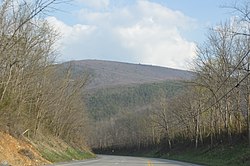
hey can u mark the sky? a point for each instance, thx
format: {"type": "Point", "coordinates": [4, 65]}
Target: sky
{"type": "Point", "coordinates": [154, 32]}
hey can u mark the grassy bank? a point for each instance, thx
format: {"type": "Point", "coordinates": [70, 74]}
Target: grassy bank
{"type": "Point", "coordinates": [219, 156]}
{"type": "Point", "coordinates": [222, 155]}
{"type": "Point", "coordinates": [67, 155]}
{"type": "Point", "coordinates": [56, 150]}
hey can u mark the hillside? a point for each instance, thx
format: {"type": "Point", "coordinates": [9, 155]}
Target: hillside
{"type": "Point", "coordinates": [105, 74]}
{"type": "Point", "coordinates": [115, 87]}
{"type": "Point", "coordinates": [124, 95]}
{"type": "Point", "coordinates": [18, 152]}
{"type": "Point", "coordinates": [108, 102]}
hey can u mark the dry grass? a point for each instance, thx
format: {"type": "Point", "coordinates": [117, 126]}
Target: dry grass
{"type": "Point", "coordinates": [56, 150]}
{"type": "Point", "coordinates": [18, 152]}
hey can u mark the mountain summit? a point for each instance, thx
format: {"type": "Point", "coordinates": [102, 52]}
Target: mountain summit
{"type": "Point", "coordinates": [110, 74]}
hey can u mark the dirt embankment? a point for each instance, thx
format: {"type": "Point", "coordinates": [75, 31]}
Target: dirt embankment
{"type": "Point", "coordinates": [18, 153]}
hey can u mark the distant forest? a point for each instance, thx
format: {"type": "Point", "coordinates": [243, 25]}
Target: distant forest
{"type": "Point", "coordinates": [105, 103]}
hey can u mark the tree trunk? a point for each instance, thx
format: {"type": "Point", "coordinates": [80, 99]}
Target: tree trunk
{"type": "Point", "coordinates": [248, 119]}
{"type": "Point", "coordinates": [197, 130]}
{"type": "Point", "coordinates": [211, 129]}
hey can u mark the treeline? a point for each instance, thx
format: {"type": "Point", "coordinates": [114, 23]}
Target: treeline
{"type": "Point", "coordinates": [120, 115]}
{"type": "Point", "coordinates": [215, 109]}
{"type": "Point", "coordinates": [36, 96]}
{"type": "Point", "coordinates": [212, 109]}
{"type": "Point", "coordinates": [104, 103]}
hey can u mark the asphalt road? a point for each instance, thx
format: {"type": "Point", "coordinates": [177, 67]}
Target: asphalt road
{"type": "Point", "coordinates": [105, 160]}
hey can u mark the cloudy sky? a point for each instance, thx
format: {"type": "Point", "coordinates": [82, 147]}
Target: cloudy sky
{"type": "Point", "coordinates": [155, 32]}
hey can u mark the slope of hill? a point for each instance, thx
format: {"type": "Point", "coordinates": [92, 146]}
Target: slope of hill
{"type": "Point", "coordinates": [110, 74]}
{"type": "Point", "coordinates": [107, 102]}
{"type": "Point", "coordinates": [115, 86]}
{"type": "Point", "coordinates": [123, 95]}
{"type": "Point", "coordinates": [18, 152]}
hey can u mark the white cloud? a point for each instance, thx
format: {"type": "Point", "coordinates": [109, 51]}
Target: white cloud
{"type": "Point", "coordinates": [158, 46]}
{"type": "Point", "coordinates": [72, 37]}
{"type": "Point", "coordinates": [97, 4]}
{"type": "Point", "coordinates": [144, 32]}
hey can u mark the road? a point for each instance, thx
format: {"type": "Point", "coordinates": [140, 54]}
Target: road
{"type": "Point", "coordinates": [105, 160]}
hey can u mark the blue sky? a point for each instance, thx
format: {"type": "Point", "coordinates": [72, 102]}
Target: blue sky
{"type": "Point", "coordinates": [155, 32]}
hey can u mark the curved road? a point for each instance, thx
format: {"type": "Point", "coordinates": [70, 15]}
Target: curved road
{"type": "Point", "coordinates": [105, 160]}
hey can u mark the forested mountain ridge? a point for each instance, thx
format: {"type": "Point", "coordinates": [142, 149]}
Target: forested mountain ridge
{"type": "Point", "coordinates": [108, 102]}
{"type": "Point", "coordinates": [105, 74]}
{"type": "Point", "coordinates": [123, 95]}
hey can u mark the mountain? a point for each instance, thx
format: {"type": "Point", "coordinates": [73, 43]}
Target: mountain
{"type": "Point", "coordinates": [116, 87]}
{"type": "Point", "coordinates": [106, 74]}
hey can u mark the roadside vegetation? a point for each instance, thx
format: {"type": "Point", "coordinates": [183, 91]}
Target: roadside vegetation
{"type": "Point", "coordinates": [67, 155]}
{"type": "Point", "coordinates": [222, 155]}
{"type": "Point", "coordinates": [37, 98]}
